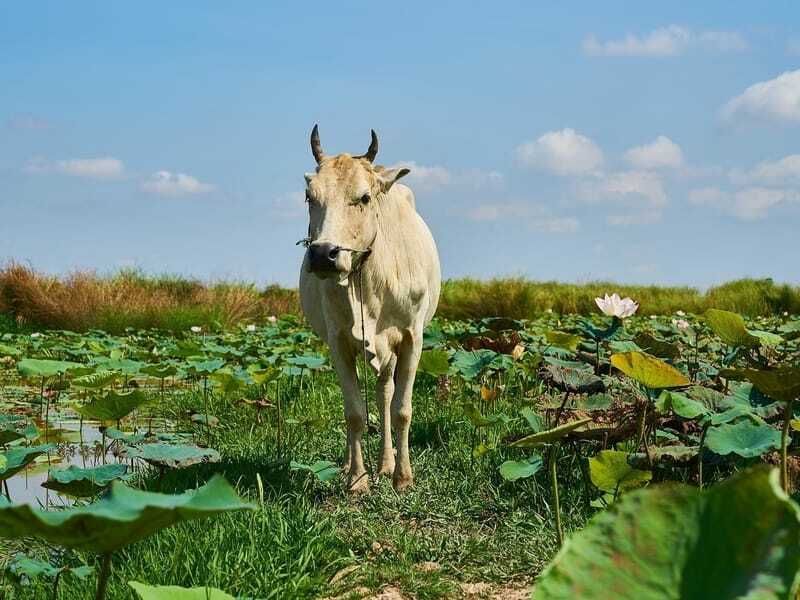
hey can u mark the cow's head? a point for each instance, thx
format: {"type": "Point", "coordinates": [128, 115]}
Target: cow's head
{"type": "Point", "coordinates": [344, 196]}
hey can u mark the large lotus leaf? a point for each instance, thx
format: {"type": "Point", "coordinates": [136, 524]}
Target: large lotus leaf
{"type": "Point", "coordinates": [734, 541]}
{"type": "Point", "coordinates": [32, 569]}
{"type": "Point", "coordinates": [17, 459]}
{"type": "Point", "coordinates": [470, 363]}
{"type": "Point", "coordinates": [113, 406]}
{"type": "Point", "coordinates": [434, 362]}
{"type": "Point", "coordinates": [711, 399]}
{"type": "Point", "coordinates": [116, 363]}
{"type": "Point", "coordinates": [309, 361]}
{"type": "Point", "coordinates": [174, 592]}
{"type": "Point", "coordinates": [567, 341]}
{"type": "Point", "coordinates": [681, 405]}
{"type": "Point", "coordinates": [730, 328]}
{"type": "Point", "coordinates": [576, 381]}
{"type": "Point", "coordinates": [96, 380]}
{"type": "Point", "coordinates": [84, 483]}
{"type": "Point", "coordinates": [550, 435]}
{"type": "Point", "coordinates": [205, 367]}
{"type": "Point", "coordinates": [767, 338]}
{"type": "Point", "coordinates": [648, 370]}
{"type": "Point", "coordinates": [610, 472]}
{"type": "Point", "coordinates": [656, 347]}
{"type": "Point", "coordinates": [324, 470]}
{"type": "Point", "coordinates": [123, 516]}
{"type": "Point", "coordinates": [176, 456]}
{"type": "Point", "coordinates": [511, 470]}
{"type": "Point", "coordinates": [780, 384]}
{"type": "Point", "coordinates": [744, 438]}
{"type": "Point", "coordinates": [34, 367]}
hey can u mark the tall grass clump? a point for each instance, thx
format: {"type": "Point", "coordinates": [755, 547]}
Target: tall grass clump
{"type": "Point", "coordinates": [83, 300]}
{"type": "Point", "coordinates": [519, 298]}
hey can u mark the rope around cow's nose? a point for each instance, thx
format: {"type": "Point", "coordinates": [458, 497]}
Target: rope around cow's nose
{"type": "Point", "coordinates": [358, 259]}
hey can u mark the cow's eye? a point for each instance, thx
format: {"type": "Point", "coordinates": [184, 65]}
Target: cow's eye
{"type": "Point", "coordinates": [364, 199]}
{"type": "Point", "coordinates": [308, 198]}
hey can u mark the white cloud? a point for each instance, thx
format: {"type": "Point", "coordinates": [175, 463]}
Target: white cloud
{"type": "Point", "coordinates": [661, 153]}
{"type": "Point", "coordinates": [777, 99]}
{"type": "Point", "coordinates": [783, 171]}
{"type": "Point", "coordinates": [166, 183]}
{"type": "Point", "coordinates": [672, 40]}
{"type": "Point", "coordinates": [641, 193]}
{"type": "Point", "coordinates": [92, 168]}
{"type": "Point", "coordinates": [433, 177]}
{"type": "Point", "coordinates": [748, 204]}
{"type": "Point", "coordinates": [536, 216]}
{"type": "Point", "coordinates": [564, 152]}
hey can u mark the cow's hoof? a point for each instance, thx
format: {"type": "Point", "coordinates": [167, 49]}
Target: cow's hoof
{"type": "Point", "coordinates": [358, 484]}
{"type": "Point", "coordinates": [387, 468]}
{"type": "Point", "coordinates": [402, 482]}
{"type": "Point", "coordinates": [386, 471]}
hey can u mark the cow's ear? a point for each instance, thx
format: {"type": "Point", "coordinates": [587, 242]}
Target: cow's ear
{"type": "Point", "coordinates": [387, 177]}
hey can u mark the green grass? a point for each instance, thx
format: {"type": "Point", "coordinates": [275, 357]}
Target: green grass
{"type": "Point", "coordinates": [461, 514]}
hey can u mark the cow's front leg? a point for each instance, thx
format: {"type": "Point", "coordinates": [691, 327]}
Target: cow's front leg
{"type": "Point", "coordinates": [384, 392]}
{"type": "Point", "coordinates": [344, 361]}
{"type": "Point", "coordinates": [407, 361]}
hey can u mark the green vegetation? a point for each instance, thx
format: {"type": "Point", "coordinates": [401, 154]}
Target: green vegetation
{"type": "Point", "coordinates": [525, 434]}
{"type": "Point", "coordinates": [130, 299]}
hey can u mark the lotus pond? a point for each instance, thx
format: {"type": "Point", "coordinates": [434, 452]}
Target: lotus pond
{"type": "Point", "coordinates": [211, 458]}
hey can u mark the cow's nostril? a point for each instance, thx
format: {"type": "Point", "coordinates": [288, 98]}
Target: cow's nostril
{"type": "Point", "coordinates": [333, 253]}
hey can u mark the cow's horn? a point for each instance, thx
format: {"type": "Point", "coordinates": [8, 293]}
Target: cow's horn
{"type": "Point", "coordinates": [372, 151]}
{"type": "Point", "coordinates": [316, 147]}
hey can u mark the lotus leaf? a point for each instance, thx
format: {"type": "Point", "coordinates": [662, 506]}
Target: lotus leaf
{"type": "Point", "coordinates": [113, 406]}
{"type": "Point", "coordinates": [175, 456]}
{"type": "Point", "coordinates": [648, 370]}
{"type": "Point", "coordinates": [680, 543]}
{"type": "Point", "coordinates": [611, 472]}
{"type": "Point", "coordinates": [121, 517]}
{"type": "Point", "coordinates": [744, 438]}
{"type": "Point", "coordinates": [174, 592]}
{"type": "Point", "coordinates": [84, 483]}
{"type": "Point", "coordinates": [511, 470]}
{"type": "Point", "coordinates": [730, 328]}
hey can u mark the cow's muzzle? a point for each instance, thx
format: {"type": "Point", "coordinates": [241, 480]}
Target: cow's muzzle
{"type": "Point", "coordinates": [322, 257]}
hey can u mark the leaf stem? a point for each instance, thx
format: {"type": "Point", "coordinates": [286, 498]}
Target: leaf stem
{"type": "Point", "coordinates": [554, 489]}
{"type": "Point", "coordinates": [102, 580]}
{"type": "Point", "coordinates": [787, 418]}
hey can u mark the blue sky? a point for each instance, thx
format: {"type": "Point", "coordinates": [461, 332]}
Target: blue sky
{"type": "Point", "coordinates": [577, 141]}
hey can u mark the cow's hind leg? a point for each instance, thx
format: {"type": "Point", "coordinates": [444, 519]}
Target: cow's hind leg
{"type": "Point", "coordinates": [354, 414]}
{"type": "Point", "coordinates": [407, 362]}
{"type": "Point", "coordinates": [384, 392]}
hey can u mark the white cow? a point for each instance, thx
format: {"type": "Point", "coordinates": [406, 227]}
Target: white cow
{"type": "Point", "coordinates": [364, 230]}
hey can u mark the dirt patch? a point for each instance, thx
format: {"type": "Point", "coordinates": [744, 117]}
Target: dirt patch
{"type": "Point", "coordinates": [488, 591]}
